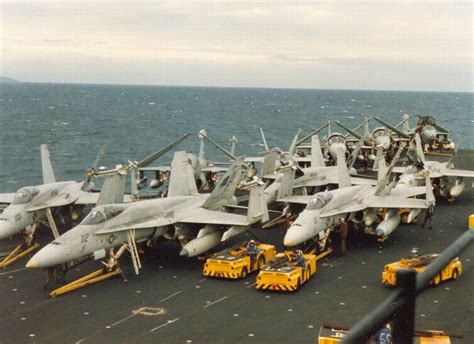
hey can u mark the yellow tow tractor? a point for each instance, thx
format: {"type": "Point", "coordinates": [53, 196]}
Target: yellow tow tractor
{"type": "Point", "coordinates": [236, 262]}
{"type": "Point", "coordinates": [452, 271]}
{"type": "Point", "coordinates": [286, 273]}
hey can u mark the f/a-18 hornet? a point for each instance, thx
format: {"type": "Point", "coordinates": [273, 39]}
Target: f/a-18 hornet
{"type": "Point", "coordinates": [32, 204]}
{"type": "Point", "coordinates": [324, 209]}
{"type": "Point", "coordinates": [198, 221]}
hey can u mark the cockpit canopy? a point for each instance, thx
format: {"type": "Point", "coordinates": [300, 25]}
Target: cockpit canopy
{"type": "Point", "coordinates": [103, 213]}
{"type": "Point", "coordinates": [24, 195]}
{"type": "Point", "coordinates": [319, 201]}
{"type": "Point", "coordinates": [380, 133]}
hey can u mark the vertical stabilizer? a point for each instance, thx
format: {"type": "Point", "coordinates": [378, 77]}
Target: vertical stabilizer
{"type": "Point", "coordinates": [286, 182]}
{"type": "Point", "coordinates": [450, 163]}
{"type": "Point", "coordinates": [355, 153]}
{"type": "Point", "coordinates": [202, 136]}
{"type": "Point", "coordinates": [293, 143]}
{"type": "Point", "coordinates": [366, 127]}
{"type": "Point", "coordinates": [406, 123]}
{"type": "Point", "coordinates": [182, 181]}
{"type": "Point", "coordinates": [342, 172]}
{"type": "Point", "coordinates": [269, 163]}
{"type": "Point", "coordinates": [233, 142]}
{"type": "Point", "coordinates": [382, 183]}
{"type": "Point", "coordinates": [113, 189]}
{"type": "Point", "coordinates": [257, 210]}
{"type": "Point", "coordinates": [419, 148]}
{"type": "Point", "coordinates": [225, 188]}
{"type": "Point", "coordinates": [317, 159]}
{"type": "Point", "coordinates": [48, 173]}
{"type": "Point", "coordinates": [264, 140]}
{"type": "Point", "coordinates": [379, 164]}
{"type": "Point", "coordinates": [430, 198]}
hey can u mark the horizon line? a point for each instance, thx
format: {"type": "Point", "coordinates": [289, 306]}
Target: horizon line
{"type": "Point", "coordinates": [15, 81]}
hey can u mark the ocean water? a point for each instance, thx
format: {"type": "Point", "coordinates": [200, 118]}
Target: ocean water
{"type": "Point", "coordinates": [74, 120]}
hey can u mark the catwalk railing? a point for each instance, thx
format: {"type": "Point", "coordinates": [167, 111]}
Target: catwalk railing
{"type": "Point", "coordinates": [399, 308]}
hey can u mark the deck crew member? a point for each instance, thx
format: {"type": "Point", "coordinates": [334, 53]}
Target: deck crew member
{"type": "Point", "coordinates": [428, 217]}
{"type": "Point", "coordinates": [342, 230]}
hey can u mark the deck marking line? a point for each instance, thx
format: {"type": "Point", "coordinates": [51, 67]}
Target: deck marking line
{"type": "Point", "coordinates": [214, 302]}
{"type": "Point", "coordinates": [10, 272]}
{"type": "Point", "coordinates": [172, 295]}
{"type": "Point", "coordinates": [165, 324]}
{"type": "Point", "coordinates": [121, 321]}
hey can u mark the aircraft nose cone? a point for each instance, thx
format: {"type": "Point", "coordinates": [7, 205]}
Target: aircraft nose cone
{"type": "Point", "coordinates": [184, 252]}
{"type": "Point", "coordinates": [7, 229]}
{"type": "Point", "coordinates": [32, 263]}
{"type": "Point", "coordinates": [49, 256]}
{"type": "Point", "coordinates": [294, 236]}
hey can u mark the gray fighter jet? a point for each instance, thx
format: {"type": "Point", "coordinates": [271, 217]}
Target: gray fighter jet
{"type": "Point", "coordinates": [198, 221]}
{"type": "Point", "coordinates": [333, 142]}
{"type": "Point", "coordinates": [324, 209]}
{"type": "Point", "coordinates": [442, 173]}
{"type": "Point", "coordinates": [427, 127]}
{"type": "Point", "coordinates": [31, 204]}
{"type": "Point", "coordinates": [202, 167]}
{"type": "Point", "coordinates": [309, 178]}
{"type": "Point", "coordinates": [378, 137]}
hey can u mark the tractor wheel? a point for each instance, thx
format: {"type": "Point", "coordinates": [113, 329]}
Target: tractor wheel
{"type": "Point", "coordinates": [437, 280]}
{"type": "Point", "coordinates": [261, 262]}
{"type": "Point", "coordinates": [244, 273]}
{"type": "Point", "coordinates": [455, 274]}
{"type": "Point", "coordinates": [298, 285]}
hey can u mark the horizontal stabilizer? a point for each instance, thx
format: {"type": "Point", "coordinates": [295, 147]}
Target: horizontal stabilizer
{"type": "Point", "coordinates": [7, 197]}
{"type": "Point", "coordinates": [296, 199]}
{"type": "Point", "coordinates": [213, 217]}
{"type": "Point", "coordinates": [451, 172]}
{"type": "Point", "coordinates": [396, 202]}
{"type": "Point", "coordinates": [56, 201]}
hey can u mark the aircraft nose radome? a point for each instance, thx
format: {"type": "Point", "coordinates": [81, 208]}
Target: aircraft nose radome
{"type": "Point", "coordinates": [184, 253]}
{"type": "Point", "coordinates": [292, 237]}
{"type": "Point", "coordinates": [32, 263]}
{"type": "Point", "coordinates": [47, 257]}
{"type": "Point", "coordinates": [7, 229]}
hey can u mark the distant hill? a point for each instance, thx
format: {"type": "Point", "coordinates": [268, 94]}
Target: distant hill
{"type": "Point", "coordinates": [5, 80]}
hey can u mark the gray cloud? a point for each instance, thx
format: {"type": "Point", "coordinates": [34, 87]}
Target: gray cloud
{"type": "Point", "coordinates": [324, 44]}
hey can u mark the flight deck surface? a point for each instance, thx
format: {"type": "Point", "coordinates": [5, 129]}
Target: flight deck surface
{"type": "Point", "coordinates": [171, 302]}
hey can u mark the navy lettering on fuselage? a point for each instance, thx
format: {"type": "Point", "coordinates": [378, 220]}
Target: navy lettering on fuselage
{"type": "Point", "coordinates": [84, 238]}
{"type": "Point", "coordinates": [111, 238]}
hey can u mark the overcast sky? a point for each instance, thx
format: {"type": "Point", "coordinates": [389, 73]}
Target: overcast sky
{"type": "Point", "coordinates": [396, 45]}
